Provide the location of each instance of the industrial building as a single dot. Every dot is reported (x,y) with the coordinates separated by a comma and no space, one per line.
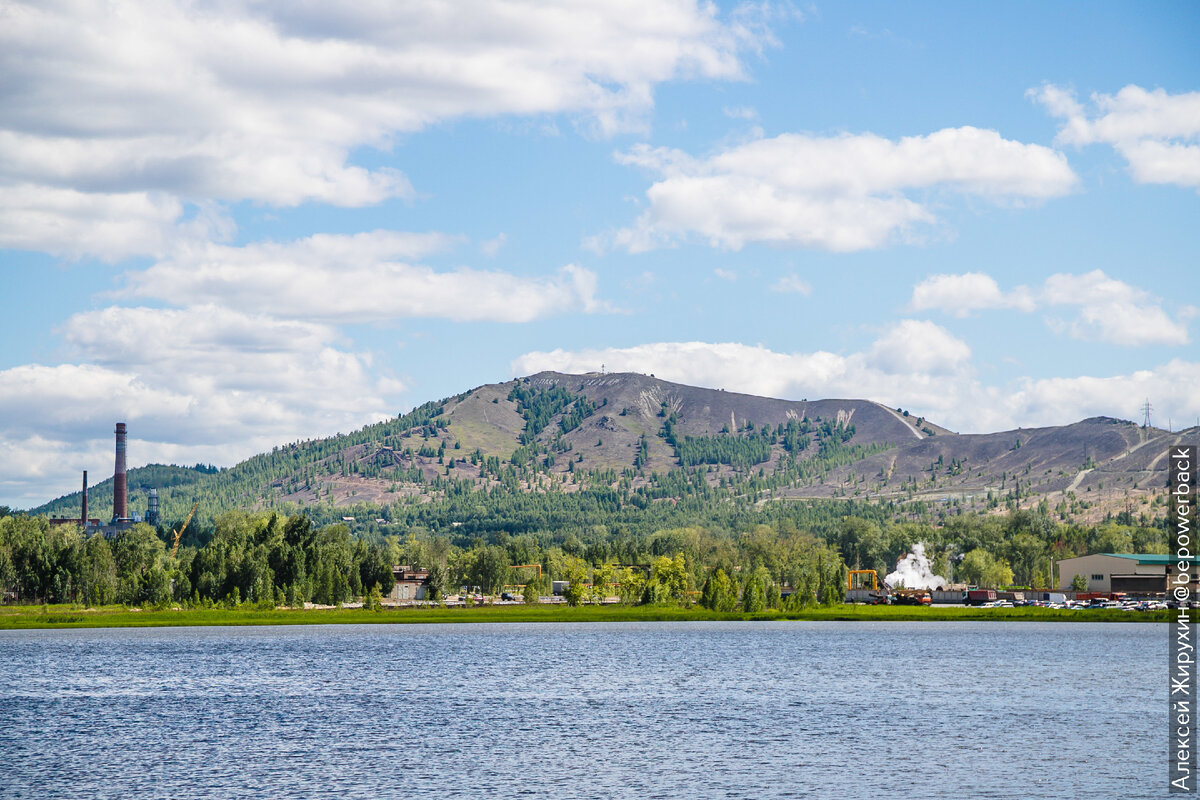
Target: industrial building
(121,518)
(411,584)
(1131,573)
(84,521)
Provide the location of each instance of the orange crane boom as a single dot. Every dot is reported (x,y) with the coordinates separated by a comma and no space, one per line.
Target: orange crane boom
(179,533)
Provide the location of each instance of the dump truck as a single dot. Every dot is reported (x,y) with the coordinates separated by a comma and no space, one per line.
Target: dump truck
(977,597)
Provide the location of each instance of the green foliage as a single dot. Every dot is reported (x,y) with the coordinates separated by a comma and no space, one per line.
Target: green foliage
(669,582)
(488,568)
(737,451)
(774,596)
(754,591)
(1113,538)
(576,575)
(603,578)
(1040,579)
(719,593)
(630,585)
(435,587)
(981,568)
(1026,553)
(643,453)
(99,574)
(538,405)
(582,409)
(1079,583)
(260,558)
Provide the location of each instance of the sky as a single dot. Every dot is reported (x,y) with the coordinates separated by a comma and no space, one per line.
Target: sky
(238,224)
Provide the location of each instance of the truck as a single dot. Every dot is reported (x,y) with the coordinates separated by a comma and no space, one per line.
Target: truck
(977,597)
(911,597)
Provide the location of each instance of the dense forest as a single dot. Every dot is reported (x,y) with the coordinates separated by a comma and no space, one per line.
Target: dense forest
(664,553)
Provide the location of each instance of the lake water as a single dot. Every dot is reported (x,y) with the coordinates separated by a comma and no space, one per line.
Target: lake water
(655,710)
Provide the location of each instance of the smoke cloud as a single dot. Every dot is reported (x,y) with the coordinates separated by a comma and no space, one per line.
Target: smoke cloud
(914,571)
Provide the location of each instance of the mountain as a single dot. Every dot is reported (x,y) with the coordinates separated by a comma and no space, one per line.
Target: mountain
(649,440)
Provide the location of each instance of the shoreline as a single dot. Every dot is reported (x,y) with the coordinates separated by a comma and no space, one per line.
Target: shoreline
(50,617)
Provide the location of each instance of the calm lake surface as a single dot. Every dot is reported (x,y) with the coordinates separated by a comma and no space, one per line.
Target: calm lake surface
(624,710)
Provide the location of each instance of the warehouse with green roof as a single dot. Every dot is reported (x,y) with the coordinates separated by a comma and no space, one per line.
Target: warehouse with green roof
(1132,573)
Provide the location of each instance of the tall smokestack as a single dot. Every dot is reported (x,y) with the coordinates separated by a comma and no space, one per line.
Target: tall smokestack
(120,494)
(84,517)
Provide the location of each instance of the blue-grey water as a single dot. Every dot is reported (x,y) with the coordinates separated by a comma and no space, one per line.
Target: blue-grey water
(655,710)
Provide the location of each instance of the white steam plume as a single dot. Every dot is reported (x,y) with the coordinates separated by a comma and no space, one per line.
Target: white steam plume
(913,571)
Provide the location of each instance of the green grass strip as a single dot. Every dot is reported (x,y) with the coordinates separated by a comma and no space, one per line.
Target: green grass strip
(27,617)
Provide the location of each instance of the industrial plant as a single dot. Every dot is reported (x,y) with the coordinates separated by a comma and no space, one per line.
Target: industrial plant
(121,519)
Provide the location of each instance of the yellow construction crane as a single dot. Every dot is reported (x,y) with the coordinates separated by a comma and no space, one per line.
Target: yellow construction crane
(864,572)
(179,533)
(874,596)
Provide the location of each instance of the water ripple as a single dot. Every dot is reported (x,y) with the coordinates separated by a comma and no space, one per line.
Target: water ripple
(660,710)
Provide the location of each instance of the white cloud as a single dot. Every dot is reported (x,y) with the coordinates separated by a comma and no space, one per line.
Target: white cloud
(961,294)
(30,465)
(237,371)
(792,284)
(65,399)
(66,222)
(1113,311)
(911,362)
(725,274)
(1109,310)
(945,391)
(918,346)
(492,246)
(357,278)
(234,100)
(840,193)
(740,112)
(198,384)
(1156,132)
(1174,386)
(755,370)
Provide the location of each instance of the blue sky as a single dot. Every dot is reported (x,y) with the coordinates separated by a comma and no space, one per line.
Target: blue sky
(236,224)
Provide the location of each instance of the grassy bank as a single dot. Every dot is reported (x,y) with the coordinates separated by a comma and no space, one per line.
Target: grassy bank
(20,617)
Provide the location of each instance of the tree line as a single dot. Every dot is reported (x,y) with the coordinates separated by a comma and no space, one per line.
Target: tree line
(703,554)
(259,558)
